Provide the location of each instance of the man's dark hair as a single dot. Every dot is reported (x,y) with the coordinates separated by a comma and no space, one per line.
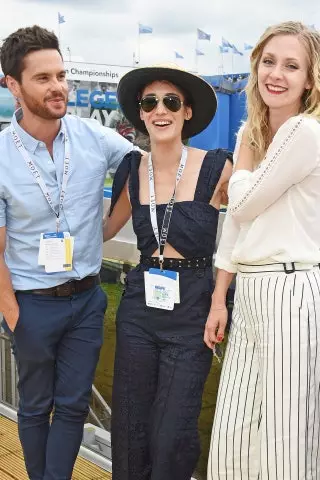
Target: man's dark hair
(25,40)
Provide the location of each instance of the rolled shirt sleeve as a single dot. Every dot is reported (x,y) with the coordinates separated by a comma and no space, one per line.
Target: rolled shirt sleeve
(292,155)
(115,147)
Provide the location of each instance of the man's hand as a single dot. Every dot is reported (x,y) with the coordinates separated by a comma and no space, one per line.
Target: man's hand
(12,319)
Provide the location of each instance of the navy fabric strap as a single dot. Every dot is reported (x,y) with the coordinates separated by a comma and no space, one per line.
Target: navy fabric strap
(129,167)
(210,173)
(134,181)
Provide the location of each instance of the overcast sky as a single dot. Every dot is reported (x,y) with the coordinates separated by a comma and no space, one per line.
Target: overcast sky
(106,31)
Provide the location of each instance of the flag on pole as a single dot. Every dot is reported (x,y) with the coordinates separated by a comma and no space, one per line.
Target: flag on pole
(226,43)
(247,46)
(236,51)
(198,52)
(203,35)
(223,49)
(145,29)
(61,18)
(177,55)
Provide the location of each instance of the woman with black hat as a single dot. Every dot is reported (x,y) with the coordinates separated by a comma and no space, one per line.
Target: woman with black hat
(173,194)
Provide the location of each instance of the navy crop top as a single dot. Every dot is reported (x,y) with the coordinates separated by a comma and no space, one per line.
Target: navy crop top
(194,223)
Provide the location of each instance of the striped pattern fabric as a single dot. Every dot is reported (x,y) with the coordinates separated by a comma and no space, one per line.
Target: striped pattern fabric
(267,422)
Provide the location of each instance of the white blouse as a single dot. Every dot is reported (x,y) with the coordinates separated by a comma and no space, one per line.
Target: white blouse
(274,211)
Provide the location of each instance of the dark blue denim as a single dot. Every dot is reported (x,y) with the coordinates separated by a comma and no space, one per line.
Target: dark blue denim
(56,344)
(161,366)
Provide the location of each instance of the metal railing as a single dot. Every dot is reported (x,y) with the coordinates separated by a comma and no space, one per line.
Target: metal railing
(8,371)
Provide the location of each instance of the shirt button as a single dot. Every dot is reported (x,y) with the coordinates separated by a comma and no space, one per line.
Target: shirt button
(42,144)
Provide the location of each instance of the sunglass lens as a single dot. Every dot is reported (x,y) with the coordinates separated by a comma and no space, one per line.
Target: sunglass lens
(172,102)
(148,103)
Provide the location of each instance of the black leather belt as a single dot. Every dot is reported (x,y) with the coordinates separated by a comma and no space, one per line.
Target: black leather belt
(67,289)
(174,263)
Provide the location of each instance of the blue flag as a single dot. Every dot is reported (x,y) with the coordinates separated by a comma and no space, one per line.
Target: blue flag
(226,43)
(61,18)
(145,29)
(223,49)
(178,55)
(247,46)
(203,35)
(236,51)
(198,52)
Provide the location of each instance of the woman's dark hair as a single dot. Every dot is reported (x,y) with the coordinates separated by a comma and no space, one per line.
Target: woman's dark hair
(20,43)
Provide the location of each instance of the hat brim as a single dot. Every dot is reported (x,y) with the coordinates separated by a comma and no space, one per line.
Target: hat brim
(201,94)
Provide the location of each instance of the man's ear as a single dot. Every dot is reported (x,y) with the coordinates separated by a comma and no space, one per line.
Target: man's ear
(14,86)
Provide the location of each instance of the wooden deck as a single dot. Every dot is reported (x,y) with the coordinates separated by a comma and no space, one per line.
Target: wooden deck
(12,464)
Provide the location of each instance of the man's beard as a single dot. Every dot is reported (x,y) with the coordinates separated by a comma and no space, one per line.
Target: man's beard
(40,109)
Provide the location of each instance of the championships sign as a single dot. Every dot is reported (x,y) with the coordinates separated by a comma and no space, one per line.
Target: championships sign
(94,72)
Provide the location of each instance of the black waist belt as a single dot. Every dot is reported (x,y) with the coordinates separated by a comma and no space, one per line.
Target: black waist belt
(67,289)
(173,263)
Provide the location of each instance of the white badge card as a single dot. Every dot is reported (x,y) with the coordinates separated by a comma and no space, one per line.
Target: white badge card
(56,251)
(161,288)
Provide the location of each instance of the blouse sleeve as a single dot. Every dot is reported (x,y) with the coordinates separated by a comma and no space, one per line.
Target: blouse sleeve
(121,177)
(229,236)
(292,155)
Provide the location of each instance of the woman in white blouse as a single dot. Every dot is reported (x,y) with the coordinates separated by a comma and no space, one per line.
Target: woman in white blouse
(267,422)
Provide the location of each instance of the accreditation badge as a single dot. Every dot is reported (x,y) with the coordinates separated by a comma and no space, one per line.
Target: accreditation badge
(56,251)
(161,288)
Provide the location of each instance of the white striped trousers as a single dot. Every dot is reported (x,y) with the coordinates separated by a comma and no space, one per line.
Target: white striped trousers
(267,420)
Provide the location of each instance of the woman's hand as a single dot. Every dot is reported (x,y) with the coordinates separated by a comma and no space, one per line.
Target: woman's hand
(218,315)
(216,324)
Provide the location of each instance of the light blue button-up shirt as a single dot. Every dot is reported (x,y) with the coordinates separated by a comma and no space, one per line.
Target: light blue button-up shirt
(25,212)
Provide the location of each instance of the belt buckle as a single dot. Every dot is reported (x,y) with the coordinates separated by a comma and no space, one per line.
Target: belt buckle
(65,290)
(289,270)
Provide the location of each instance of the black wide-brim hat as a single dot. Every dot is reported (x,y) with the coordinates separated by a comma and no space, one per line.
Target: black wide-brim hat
(200,94)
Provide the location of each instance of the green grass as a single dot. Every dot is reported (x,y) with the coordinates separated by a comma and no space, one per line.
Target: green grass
(104,376)
(104,373)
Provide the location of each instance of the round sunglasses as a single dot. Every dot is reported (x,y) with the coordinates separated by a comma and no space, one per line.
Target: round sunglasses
(170,101)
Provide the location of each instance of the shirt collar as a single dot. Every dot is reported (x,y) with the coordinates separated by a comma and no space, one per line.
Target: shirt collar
(29,142)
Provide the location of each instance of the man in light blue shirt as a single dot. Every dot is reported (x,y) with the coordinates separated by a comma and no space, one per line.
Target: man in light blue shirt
(52,171)
(25,212)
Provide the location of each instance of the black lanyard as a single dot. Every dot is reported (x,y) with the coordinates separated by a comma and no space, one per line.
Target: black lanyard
(162,238)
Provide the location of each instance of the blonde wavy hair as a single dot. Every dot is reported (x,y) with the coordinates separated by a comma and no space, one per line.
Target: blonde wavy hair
(258,121)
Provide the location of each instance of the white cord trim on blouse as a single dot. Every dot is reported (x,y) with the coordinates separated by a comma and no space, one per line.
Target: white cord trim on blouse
(267,169)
